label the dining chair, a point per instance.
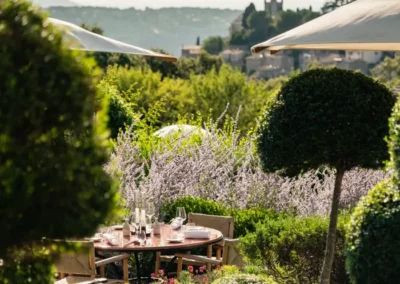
(80, 265)
(231, 256)
(224, 224)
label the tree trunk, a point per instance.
(331, 238)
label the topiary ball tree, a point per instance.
(52, 147)
(373, 240)
(330, 117)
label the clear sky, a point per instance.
(233, 4)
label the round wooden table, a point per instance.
(156, 244)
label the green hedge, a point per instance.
(373, 240)
(192, 205)
(292, 248)
(328, 117)
(244, 279)
(246, 220)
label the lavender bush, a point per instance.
(223, 166)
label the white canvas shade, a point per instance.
(361, 25)
(82, 39)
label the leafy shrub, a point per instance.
(247, 220)
(373, 242)
(227, 274)
(212, 90)
(30, 263)
(120, 115)
(192, 205)
(244, 279)
(52, 150)
(326, 117)
(120, 111)
(292, 248)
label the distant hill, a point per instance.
(166, 28)
(48, 3)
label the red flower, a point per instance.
(190, 268)
(205, 279)
(153, 275)
(161, 272)
(171, 280)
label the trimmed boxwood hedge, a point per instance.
(373, 238)
(53, 144)
(329, 117)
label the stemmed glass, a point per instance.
(150, 211)
(135, 219)
(181, 216)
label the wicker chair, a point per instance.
(81, 265)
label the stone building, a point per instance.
(190, 51)
(371, 57)
(235, 57)
(266, 66)
(273, 7)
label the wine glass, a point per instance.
(150, 211)
(181, 216)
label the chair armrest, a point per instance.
(231, 242)
(227, 240)
(199, 258)
(111, 259)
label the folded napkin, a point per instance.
(197, 234)
(194, 228)
(111, 239)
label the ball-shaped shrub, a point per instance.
(120, 115)
(244, 279)
(326, 117)
(394, 142)
(373, 237)
(52, 146)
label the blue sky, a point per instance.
(233, 4)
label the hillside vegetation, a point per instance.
(166, 28)
(48, 3)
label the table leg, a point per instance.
(157, 267)
(102, 272)
(179, 268)
(139, 276)
(125, 268)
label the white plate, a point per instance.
(180, 240)
(117, 227)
